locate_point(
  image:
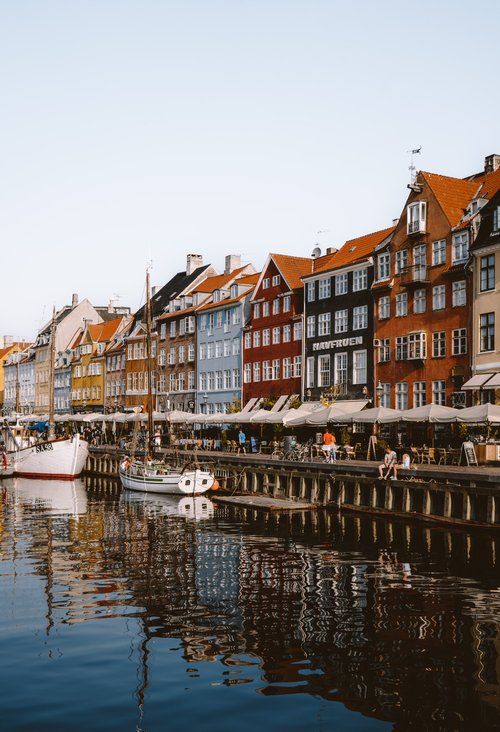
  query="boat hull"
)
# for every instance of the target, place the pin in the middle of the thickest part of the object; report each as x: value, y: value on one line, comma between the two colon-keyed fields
x: 59, y: 460
x: 169, y: 484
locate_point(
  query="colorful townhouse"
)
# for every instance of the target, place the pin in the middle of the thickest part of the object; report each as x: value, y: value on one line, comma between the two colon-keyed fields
x: 9, y: 347
x: 89, y: 364
x: 484, y: 385
x: 220, y: 321
x: 62, y: 382
x: 115, y: 377
x: 272, y: 339
x: 163, y: 300
x: 338, y: 322
x: 423, y: 294
x: 178, y: 338
x: 19, y: 382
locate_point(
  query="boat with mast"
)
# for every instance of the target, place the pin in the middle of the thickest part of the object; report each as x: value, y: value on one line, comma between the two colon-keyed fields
x: 150, y: 475
x: 55, y: 458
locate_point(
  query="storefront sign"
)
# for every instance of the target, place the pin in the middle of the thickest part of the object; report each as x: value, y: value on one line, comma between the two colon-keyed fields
x: 340, y: 343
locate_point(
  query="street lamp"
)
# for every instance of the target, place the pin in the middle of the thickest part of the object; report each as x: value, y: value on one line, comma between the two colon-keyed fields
x: 380, y: 391
x: 308, y: 395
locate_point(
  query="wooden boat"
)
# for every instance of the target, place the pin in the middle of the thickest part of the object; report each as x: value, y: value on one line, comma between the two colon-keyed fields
x: 154, y: 477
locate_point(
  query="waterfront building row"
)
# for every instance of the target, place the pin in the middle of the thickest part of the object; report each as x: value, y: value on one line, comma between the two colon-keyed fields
x: 403, y: 316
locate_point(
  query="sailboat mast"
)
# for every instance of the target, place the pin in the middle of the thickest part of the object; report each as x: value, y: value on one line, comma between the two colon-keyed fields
x: 52, y: 374
x: 149, y: 361
x: 18, y: 387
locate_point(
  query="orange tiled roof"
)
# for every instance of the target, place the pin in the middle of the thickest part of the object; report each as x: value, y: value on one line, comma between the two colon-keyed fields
x: 177, y: 313
x: 5, y: 351
x: 104, y: 331
x: 353, y: 250
x: 489, y: 184
x: 226, y: 301
x: 218, y: 281
x: 452, y: 194
x: 293, y: 268
x: 250, y: 279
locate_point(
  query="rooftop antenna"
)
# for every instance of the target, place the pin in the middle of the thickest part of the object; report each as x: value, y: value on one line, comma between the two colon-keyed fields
x: 412, y: 168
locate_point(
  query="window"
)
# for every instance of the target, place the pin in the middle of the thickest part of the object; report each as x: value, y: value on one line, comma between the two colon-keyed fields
x: 438, y: 297
x: 324, y: 288
x: 297, y: 330
x: 311, y: 291
x: 276, y: 280
x: 266, y: 371
x: 218, y: 380
x: 419, y: 301
x: 287, y: 333
x: 359, y: 365
x: 227, y: 378
x: 171, y: 356
x: 340, y: 369
x: 401, y: 262
x: 439, y: 392
x: 287, y: 304
x: 487, y: 273
x: 276, y: 334
x: 287, y: 368
x: 311, y: 326
x: 266, y: 283
x: 248, y: 340
x: 324, y: 370
x: 360, y: 280
x: 236, y: 319
x: 412, y: 347
x: 310, y: 372
x: 276, y: 306
x: 459, y: 341
x: 203, y: 381
x: 265, y: 310
x: 218, y: 349
x: 384, y: 351
x: 191, y: 380
x: 360, y: 317
x: 236, y: 347
x: 439, y: 252
x: 256, y: 310
x: 236, y: 379
x: 384, y: 266
x: 256, y: 339
x: 341, y: 284
x: 439, y: 344
x: 402, y: 395
x: 487, y: 332
x: 297, y: 366
x: 266, y: 337
x: 460, y: 249
x: 384, y: 307
x: 210, y: 350
x: 401, y: 304
x: 496, y: 219
x: 419, y: 394
x: 276, y: 369
x: 416, y: 217
x: 458, y: 293
x: 340, y: 321
x: 211, y: 380
x: 324, y: 324
x: 256, y: 371
x: 385, y: 396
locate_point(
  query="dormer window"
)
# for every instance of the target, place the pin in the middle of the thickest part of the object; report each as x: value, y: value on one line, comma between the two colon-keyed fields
x: 416, y: 217
x: 216, y: 295
x: 276, y: 280
x: 234, y: 290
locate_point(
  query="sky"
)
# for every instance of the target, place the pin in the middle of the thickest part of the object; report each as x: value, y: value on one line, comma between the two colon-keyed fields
x: 148, y: 129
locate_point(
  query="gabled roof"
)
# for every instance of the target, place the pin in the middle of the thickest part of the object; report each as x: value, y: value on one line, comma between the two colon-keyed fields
x: 225, y: 301
x: 250, y: 279
x: 452, y: 194
x: 20, y: 344
x: 219, y: 281
x: 174, y: 287
x: 292, y: 268
x: 99, y: 332
x: 179, y: 313
x: 354, y: 250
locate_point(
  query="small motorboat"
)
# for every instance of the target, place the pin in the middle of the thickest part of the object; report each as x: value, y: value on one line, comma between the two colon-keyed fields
x: 155, y: 477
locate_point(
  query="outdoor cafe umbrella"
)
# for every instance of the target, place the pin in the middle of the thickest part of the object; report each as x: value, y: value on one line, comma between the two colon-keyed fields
x: 320, y: 417
x: 480, y: 414
x: 376, y: 415
x: 434, y: 413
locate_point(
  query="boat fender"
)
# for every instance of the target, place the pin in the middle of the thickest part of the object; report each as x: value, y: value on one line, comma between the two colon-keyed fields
x: 215, y: 486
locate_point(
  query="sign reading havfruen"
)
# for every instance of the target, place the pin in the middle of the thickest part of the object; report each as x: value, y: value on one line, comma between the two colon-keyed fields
x: 340, y: 343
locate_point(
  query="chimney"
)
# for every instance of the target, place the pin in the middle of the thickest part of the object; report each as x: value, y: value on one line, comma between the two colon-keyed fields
x: 74, y: 300
x: 233, y: 261
x: 111, y: 306
x: 193, y: 262
x: 331, y: 250
x: 154, y: 290
x: 491, y: 163
x: 395, y: 222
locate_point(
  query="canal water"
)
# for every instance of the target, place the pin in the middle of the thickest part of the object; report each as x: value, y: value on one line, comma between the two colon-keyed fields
x: 125, y: 612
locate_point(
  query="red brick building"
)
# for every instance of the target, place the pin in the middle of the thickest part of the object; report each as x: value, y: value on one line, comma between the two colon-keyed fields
x: 423, y: 297
x: 272, y: 340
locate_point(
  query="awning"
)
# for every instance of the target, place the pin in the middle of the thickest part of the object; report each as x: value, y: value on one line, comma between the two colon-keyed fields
x: 478, y: 381
x: 480, y: 414
x: 494, y: 382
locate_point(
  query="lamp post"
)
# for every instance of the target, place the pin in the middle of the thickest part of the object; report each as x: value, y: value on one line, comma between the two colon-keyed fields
x: 380, y: 391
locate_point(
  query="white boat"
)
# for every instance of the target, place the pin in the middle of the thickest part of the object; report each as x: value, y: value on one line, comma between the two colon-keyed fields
x: 62, y: 459
x: 151, y: 477
x: 195, y: 508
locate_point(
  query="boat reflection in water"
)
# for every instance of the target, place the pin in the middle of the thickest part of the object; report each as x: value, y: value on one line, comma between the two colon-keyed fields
x: 191, y: 507
x: 67, y: 497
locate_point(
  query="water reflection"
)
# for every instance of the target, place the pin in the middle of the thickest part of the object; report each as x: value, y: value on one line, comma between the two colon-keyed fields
x: 398, y: 622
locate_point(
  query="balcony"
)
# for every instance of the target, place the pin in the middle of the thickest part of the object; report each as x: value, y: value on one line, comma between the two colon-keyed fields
x: 416, y: 274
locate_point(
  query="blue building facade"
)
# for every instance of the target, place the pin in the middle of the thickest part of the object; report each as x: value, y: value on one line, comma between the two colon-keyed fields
x: 62, y: 383
x: 20, y: 365
x: 219, y: 347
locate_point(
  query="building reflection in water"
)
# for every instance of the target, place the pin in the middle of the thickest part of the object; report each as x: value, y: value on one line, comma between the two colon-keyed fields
x: 397, y: 621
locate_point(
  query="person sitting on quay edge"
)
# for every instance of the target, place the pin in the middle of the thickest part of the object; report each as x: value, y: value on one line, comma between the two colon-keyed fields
x: 329, y: 444
x: 390, y: 465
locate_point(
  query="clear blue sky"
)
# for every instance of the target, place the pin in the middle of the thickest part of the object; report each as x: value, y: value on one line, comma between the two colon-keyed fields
x: 131, y: 129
